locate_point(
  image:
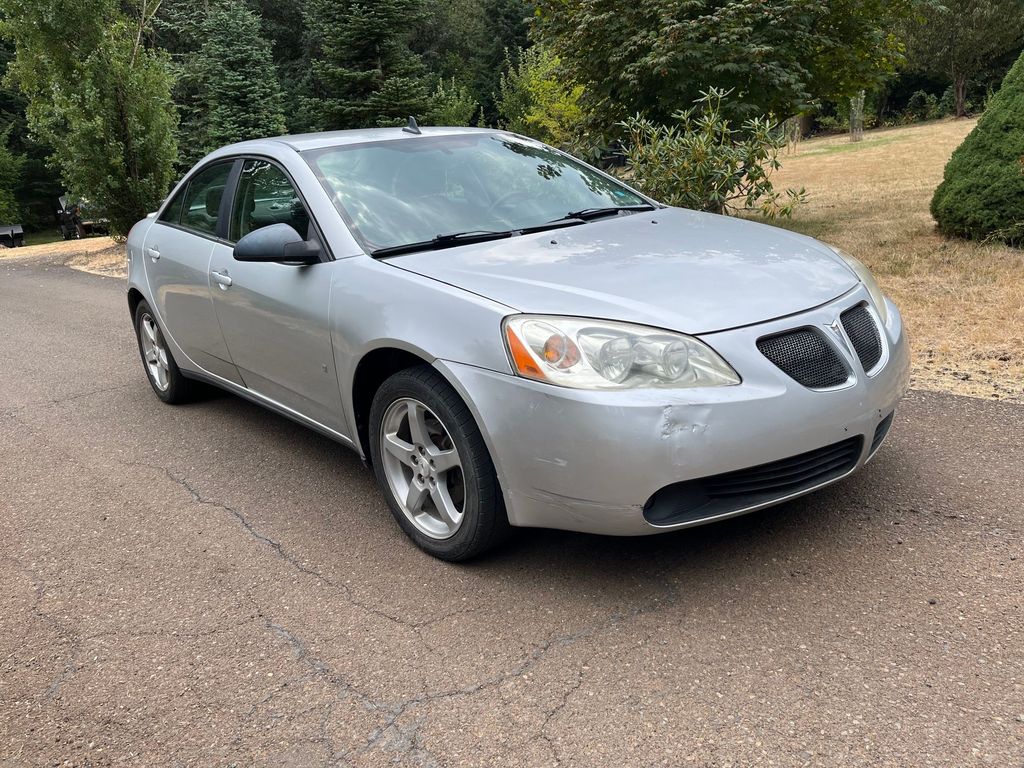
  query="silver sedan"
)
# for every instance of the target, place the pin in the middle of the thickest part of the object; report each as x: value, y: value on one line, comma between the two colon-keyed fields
x: 510, y: 337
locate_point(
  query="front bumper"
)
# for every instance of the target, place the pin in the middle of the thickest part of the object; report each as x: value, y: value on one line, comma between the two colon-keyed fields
x: 590, y: 460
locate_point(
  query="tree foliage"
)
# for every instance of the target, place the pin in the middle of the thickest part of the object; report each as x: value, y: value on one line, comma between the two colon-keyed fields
x: 364, y: 72
x: 236, y: 94
x: 982, y: 193
x: 101, y: 84
x: 34, y: 184
x: 701, y: 161
x: 958, y: 39
x: 533, y: 99
x: 657, y: 56
x: 99, y: 98
x: 452, y: 104
x: 10, y: 169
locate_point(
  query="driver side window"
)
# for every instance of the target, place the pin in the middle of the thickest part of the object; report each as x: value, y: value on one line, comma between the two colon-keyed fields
x: 265, y: 196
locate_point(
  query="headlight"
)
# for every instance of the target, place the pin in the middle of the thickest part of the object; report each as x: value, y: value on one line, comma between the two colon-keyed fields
x: 865, y: 276
x: 600, y: 354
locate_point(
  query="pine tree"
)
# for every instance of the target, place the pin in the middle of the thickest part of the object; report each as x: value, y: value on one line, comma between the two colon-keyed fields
x: 10, y: 170
x: 363, y: 72
x: 505, y: 32
x: 982, y: 194
x: 232, y: 83
x: 34, y: 184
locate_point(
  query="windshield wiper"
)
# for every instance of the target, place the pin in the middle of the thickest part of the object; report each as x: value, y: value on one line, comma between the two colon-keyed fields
x: 613, y: 210
x: 448, y: 240
x: 473, y: 236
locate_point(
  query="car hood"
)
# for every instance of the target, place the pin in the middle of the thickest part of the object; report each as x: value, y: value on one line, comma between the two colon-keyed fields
x: 672, y: 268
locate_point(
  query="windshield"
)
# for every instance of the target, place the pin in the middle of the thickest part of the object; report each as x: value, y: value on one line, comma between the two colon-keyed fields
x: 405, y: 191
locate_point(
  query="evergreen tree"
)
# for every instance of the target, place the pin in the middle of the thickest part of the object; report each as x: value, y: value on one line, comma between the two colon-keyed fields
x: 466, y: 40
x: 451, y: 38
x: 982, y: 195
x: 34, y: 184
x: 233, y: 83
x: 505, y: 30
x: 10, y: 170
x: 284, y: 28
x: 363, y: 71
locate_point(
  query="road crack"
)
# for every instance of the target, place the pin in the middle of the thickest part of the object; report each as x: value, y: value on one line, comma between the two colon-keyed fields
x: 284, y: 554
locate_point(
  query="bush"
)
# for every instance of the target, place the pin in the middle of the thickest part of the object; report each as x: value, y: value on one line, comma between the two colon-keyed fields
x: 452, y: 104
x: 534, y: 100
x: 982, y: 194
x: 705, y: 164
x: 922, y: 106
x: 947, y: 104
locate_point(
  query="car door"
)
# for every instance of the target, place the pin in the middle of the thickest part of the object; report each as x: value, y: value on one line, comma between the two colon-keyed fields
x: 177, y: 254
x: 275, y: 316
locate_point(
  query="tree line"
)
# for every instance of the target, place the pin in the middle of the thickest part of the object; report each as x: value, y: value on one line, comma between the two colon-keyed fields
x: 115, y: 99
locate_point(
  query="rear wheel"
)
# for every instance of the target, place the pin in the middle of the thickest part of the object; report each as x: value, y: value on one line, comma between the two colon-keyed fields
x: 433, y: 466
x: 161, y: 370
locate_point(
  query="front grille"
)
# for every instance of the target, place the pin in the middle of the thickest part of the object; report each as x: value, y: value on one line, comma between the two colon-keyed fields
x: 863, y: 332
x: 806, y: 357
x: 745, y: 488
x: 881, y: 431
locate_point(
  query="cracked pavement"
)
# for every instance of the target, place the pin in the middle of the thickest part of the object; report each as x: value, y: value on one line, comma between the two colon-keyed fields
x: 213, y: 585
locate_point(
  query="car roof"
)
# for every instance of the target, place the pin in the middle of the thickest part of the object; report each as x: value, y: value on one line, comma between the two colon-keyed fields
x: 307, y: 141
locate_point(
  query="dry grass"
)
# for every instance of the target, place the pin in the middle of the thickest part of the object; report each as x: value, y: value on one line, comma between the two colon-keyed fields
x: 963, y: 302
x: 98, y: 255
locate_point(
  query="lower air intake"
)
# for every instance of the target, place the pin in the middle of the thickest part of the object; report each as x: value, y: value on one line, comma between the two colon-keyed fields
x: 881, y: 431
x: 745, y: 488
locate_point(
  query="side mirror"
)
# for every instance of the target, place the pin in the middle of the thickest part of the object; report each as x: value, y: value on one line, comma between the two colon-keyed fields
x: 278, y: 242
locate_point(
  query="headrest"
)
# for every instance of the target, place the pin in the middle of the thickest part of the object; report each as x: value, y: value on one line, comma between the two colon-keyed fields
x: 213, y: 198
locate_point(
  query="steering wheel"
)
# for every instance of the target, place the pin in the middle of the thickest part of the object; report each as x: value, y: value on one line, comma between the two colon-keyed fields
x: 514, y: 194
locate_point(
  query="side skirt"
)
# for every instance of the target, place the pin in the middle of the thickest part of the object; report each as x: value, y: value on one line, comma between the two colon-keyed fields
x: 273, y: 405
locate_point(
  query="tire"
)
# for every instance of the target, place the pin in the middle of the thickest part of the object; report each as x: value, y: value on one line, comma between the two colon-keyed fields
x: 162, y: 371
x: 471, y: 486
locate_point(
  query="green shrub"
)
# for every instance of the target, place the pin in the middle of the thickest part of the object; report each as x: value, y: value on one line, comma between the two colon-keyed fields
x: 701, y: 162
x: 921, y: 106
x: 534, y: 100
x: 982, y: 194
x: 947, y: 104
x: 452, y: 104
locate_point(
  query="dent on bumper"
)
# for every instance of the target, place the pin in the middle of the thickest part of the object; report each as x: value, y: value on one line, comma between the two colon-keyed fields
x: 588, y: 461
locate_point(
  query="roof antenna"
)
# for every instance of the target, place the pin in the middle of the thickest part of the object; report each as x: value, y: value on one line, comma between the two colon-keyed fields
x: 412, y: 127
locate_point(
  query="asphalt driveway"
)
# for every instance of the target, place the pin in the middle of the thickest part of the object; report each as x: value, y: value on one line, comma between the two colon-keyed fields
x: 213, y: 585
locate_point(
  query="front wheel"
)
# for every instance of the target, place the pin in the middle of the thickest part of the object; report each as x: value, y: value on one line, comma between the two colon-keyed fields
x: 433, y: 466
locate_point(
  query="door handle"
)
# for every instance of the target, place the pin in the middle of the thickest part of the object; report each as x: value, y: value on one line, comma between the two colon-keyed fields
x: 153, y: 253
x: 221, y: 278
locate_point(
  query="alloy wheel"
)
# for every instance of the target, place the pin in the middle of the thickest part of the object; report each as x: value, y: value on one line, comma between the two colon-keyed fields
x: 154, y: 352
x: 423, y: 468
